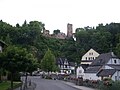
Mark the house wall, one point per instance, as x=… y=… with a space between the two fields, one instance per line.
x=65 y=68
x=116 y=76
x=0 y=48
x=91 y=76
x=80 y=72
x=114 y=61
x=90 y=55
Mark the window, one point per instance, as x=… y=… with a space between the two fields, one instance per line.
x=115 y=61
x=89 y=53
x=89 y=58
x=86 y=58
x=93 y=58
x=65 y=66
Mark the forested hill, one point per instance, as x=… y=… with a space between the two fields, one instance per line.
x=102 y=38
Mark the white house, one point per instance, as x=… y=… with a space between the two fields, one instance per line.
x=106 y=65
x=89 y=57
x=65 y=66
x=79 y=72
x=86 y=60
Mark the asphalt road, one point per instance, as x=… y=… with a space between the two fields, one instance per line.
x=44 y=84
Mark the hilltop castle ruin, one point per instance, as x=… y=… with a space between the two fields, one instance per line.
x=60 y=35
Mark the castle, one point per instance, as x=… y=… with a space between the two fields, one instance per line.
x=60 y=35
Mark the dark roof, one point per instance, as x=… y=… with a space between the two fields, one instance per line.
x=60 y=61
x=71 y=63
x=84 y=66
x=93 y=69
x=106 y=72
x=117 y=67
x=103 y=58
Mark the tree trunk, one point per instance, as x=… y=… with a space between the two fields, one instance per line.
x=11 y=81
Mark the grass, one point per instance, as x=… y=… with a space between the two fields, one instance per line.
x=6 y=85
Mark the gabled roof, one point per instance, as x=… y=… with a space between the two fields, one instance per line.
x=89 y=52
x=84 y=66
x=103 y=58
x=71 y=63
x=61 y=61
x=106 y=72
x=93 y=69
x=116 y=67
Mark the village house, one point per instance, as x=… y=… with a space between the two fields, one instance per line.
x=107 y=65
x=88 y=57
x=86 y=60
x=65 y=66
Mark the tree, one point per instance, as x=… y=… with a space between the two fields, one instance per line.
x=13 y=58
x=48 y=62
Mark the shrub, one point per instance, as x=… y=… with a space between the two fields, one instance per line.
x=15 y=78
x=109 y=85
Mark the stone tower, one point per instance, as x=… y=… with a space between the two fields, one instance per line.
x=69 y=30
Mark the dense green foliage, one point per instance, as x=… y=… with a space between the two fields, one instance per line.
x=48 y=63
x=6 y=85
x=102 y=38
x=109 y=85
x=14 y=57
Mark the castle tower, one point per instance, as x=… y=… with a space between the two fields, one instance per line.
x=69 y=30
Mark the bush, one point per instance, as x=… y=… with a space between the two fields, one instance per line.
x=109 y=85
x=15 y=78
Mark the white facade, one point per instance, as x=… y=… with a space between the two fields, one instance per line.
x=80 y=72
x=114 y=61
x=89 y=56
x=0 y=48
x=91 y=76
x=66 y=68
x=116 y=76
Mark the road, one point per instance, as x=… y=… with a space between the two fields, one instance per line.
x=45 y=84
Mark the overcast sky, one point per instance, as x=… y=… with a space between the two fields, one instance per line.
x=55 y=14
